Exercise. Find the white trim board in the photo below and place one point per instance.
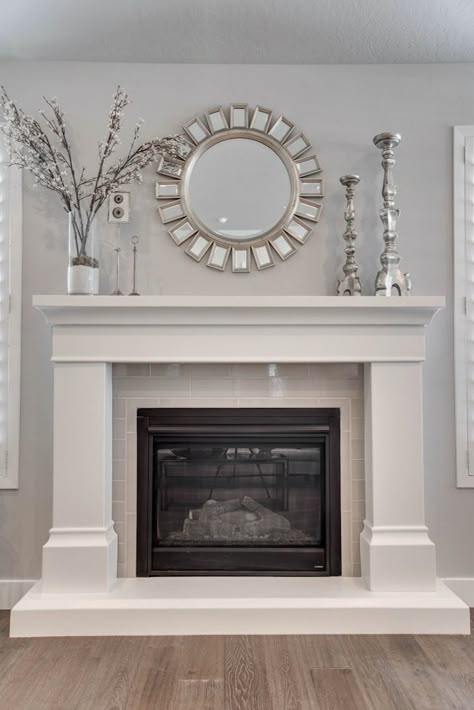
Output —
(463, 200)
(12, 590)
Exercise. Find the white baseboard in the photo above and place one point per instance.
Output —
(463, 587)
(12, 590)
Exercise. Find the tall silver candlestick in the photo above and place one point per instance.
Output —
(117, 250)
(350, 284)
(390, 279)
(134, 291)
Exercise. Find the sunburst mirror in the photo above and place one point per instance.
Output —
(243, 190)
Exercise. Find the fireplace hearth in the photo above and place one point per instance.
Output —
(238, 491)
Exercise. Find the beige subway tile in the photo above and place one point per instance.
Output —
(131, 369)
(119, 470)
(357, 527)
(118, 491)
(208, 387)
(346, 543)
(155, 387)
(339, 371)
(358, 490)
(200, 402)
(356, 570)
(280, 402)
(131, 545)
(121, 530)
(204, 370)
(357, 407)
(358, 510)
(358, 470)
(346, 490)
(290, 387)
(118, 428)
(171, 370)
(253, 387)
(358, 448)
(131, 489)
(121, 553)
(247, 370)
(121, 571)
(118, 407)
(357, 428)
(118, 449)
(118, 511)
(356, 553)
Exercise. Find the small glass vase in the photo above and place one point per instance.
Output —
(83, 264)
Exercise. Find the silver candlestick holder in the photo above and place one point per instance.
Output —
(134, 291)
(390, 279)
(117, 291)
(350, 284)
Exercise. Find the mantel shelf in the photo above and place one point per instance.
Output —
(237, 310)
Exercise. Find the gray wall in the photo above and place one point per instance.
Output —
(339, 108)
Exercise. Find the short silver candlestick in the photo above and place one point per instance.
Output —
(390, 280)
(117, 250)
(350, 284)
(134, 291)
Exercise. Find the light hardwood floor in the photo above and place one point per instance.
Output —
(237, 673)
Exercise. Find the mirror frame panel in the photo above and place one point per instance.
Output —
(181, 170)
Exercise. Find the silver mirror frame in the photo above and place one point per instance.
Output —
(303, 207)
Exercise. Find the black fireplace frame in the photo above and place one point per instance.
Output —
(241, 561)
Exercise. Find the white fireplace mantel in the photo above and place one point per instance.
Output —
(79, 592)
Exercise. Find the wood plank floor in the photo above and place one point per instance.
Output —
(237, 672)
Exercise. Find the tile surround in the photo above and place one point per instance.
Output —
(241, 385)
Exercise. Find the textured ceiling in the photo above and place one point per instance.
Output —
(239, 31)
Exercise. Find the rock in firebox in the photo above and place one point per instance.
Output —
(237, 519)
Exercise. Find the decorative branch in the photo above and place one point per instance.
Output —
(49, 158)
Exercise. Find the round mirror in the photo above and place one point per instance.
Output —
(243, 189)
(239, 189)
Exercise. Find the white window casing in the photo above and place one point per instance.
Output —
(10, 319)
(464, 302)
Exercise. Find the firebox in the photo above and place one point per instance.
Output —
(238, 492)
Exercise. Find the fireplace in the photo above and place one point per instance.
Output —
(238, 492)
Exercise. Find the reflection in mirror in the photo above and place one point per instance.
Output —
(311, 187)
(240, 260)
(239, 116)
(239, 189)
(281, 129)
(218, 257)
(262, 256)
(261, 119)
(297, 145)
(298, 229)
(171, 212)
(217, 120)
(197, 130)
(308, 210)
(283, 246)
(182, 231)
(198, 247)
(167, 190)
(308, 165)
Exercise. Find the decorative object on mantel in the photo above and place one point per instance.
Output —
(134, 291)
(350, 284)
(117, 291)
(46, 152)
(242, 190)
(390, 279)
(119, 213)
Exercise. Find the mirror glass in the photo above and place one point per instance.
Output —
(239, 189)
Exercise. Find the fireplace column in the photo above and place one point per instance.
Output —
(396, 552)
(81, 553)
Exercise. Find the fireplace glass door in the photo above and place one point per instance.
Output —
(238, 492)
